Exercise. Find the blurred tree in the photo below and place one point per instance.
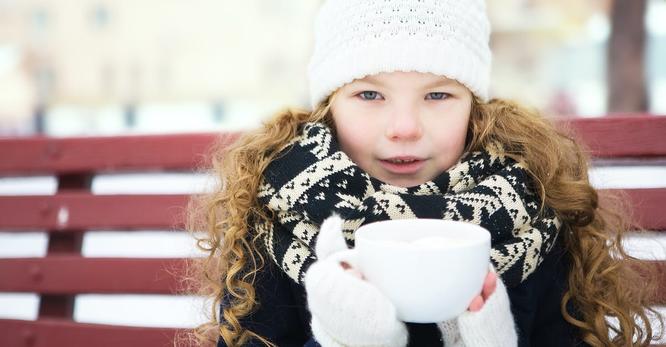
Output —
(626, 52)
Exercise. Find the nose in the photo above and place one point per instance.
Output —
(404, 125)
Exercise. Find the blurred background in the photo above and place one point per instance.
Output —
(113, 67)
(95, 67)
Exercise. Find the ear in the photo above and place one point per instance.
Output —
(330, 238)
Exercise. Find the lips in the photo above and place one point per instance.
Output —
(403, 164)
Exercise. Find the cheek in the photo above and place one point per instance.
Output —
(459, 127)
(353, 140)
(450, 139)
(451, 143)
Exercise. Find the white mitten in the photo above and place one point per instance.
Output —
(492, 326)
(450, 333)
(346, 310)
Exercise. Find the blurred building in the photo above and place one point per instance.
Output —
(553, 54)
(111, 66)
(93, 53)
(533, 39)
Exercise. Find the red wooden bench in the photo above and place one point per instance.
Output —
(64, 272)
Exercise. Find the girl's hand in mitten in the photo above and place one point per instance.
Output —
(487, 322)
(346, 310)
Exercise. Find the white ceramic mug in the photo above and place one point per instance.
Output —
(430, 269)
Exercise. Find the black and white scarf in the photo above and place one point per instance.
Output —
(312, 178)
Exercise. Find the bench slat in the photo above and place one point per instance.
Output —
(49, 332)
(52, 332)
(76, 275)
(615, 137)
(84, 211)
(73, 275)
(648, 206)
(131, 212)
(608, 137)
(94, 154)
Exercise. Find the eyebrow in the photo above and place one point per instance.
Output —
(439, 82)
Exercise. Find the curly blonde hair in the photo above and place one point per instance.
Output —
(602, 281)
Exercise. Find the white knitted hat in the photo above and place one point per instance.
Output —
(357, 38)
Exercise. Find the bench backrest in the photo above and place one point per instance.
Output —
(64, 273)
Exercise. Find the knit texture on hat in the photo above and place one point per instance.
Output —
(357, 38)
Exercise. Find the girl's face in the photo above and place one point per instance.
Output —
(403, 128)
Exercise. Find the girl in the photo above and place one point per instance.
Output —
(402, 127)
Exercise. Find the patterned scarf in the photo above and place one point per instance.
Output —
(312, 178)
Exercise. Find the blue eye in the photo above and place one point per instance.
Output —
(438, 96)
(369, 95)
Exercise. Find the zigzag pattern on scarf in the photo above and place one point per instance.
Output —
(312, 179)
